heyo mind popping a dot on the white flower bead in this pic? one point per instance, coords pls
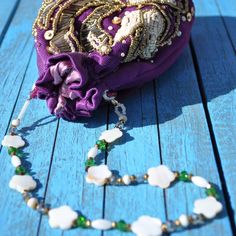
(160, 176)
(98, 175)
(147, 226)
(62, 217)
(32, 202)
(15, 161)
(101, 224)
(209, 207)
(126, 179)
(111, 135)
(200, 182)
(184, 220)
(22, 183)
(13, 141)
(93, 152)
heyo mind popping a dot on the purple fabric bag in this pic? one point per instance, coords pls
(85, 48)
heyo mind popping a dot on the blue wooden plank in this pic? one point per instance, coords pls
(7, 11)
(16, 49)
(72, 144)
(217, 69)
(137, 151)
(39, 130)
(15, 53)
(185, 142)
(228, 12)
(173, 115)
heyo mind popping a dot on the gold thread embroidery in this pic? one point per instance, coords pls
(58, 19)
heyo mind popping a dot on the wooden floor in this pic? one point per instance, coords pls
(185, 119)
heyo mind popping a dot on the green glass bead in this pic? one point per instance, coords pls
(122, 226)
(102, 145)
(90, 162)
(15, 151)
(81, 222)
(12, 151)
(212, 192)
(183, 176)
(20, 170)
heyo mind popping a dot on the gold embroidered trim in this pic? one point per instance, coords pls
(57, 18)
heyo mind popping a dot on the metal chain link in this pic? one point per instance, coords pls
(119, 108)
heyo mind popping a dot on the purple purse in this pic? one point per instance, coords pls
(86, 47)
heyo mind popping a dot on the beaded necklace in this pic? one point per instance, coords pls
(161, 176)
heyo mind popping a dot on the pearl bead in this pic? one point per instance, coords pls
(179, 33)
(122, 54)
(126, 179)
(15, 160)
(116, 20)
(110, 28)
(32, 203)
(184, 220)
(15, 123)
(200, 182)
(124, 41)
(189, 17)
(93, 152)
(101, 224)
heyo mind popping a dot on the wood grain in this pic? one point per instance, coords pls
(39, 131)
(185, 142)
(138, 152)
(217, 68)
(185, 119)
(67, 184)
(228, 13)
(7, 11)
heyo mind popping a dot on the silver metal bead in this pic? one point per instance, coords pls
(171, 226)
